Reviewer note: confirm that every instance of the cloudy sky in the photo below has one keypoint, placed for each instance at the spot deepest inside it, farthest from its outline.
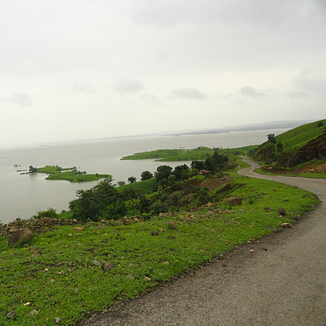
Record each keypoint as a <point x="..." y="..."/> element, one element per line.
<point x="81" y="69"/>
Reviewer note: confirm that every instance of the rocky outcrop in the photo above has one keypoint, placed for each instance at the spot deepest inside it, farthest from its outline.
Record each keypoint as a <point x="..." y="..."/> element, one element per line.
<point x="36" y="225"/>
<point x="20" y="237"/>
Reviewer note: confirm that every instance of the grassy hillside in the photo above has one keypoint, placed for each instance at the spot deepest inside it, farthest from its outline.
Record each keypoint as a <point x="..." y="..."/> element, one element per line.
<point x="301" y="150"/>
<point x="300" y="136"/>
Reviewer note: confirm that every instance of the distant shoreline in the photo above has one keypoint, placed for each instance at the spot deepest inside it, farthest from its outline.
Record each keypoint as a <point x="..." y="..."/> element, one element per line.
<point x="251" y="127"/>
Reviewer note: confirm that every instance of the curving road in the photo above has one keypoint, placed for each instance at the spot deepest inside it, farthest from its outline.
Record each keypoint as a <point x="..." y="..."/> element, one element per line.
<point x="283" y="282"/>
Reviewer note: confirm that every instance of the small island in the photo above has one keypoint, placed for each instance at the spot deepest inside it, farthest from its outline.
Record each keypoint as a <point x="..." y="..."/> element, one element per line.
<point x="71" y="174"/>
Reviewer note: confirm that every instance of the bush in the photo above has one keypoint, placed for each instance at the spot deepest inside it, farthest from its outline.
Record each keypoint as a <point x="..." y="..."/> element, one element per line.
<point x="50" y="212"/>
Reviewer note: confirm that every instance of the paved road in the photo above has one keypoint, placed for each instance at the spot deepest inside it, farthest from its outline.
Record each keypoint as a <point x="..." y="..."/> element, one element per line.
<point x="283" y="285"/>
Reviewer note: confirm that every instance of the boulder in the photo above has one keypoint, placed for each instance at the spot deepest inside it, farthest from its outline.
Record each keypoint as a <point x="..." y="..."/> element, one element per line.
<point x="20" y="237"/>
<point x="234" y="201"/>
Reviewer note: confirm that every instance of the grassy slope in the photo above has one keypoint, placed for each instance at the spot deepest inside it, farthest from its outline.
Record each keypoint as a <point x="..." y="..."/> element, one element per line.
<point x="146" y="186"/>
<point x="60" y="275"/>
<point x="297" y="137"/>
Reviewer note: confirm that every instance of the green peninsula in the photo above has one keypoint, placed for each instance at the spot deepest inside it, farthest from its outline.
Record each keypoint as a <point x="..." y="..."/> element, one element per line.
<point x="199" y="153"/>
<point x="71" y="174"/>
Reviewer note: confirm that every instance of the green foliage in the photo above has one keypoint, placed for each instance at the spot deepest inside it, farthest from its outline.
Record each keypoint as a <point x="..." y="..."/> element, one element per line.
<point x="145" y="175"/>
<point x="132" y="179"/>
<point x="162" y="174"/>
<point x="211" y="163"/>
<point x="50" y="212"/>
<point x="271" y="138"/>
<point x="32" y="169"/>
<point x="97" y="202"/>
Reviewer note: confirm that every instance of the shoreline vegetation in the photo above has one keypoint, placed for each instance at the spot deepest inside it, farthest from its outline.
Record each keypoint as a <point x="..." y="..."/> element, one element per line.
<point x="70" y="174"/>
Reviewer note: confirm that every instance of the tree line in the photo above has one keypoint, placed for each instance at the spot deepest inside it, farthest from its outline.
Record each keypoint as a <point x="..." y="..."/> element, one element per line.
<point x="104" y="201"/>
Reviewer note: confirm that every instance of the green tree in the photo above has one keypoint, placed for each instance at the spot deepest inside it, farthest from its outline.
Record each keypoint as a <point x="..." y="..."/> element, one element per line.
<point x="279" y="147"/>
<point x="197" y="165"/>
<point x="132" y="179"/>
<point x="271" y="138"/>
<point x="215" y="161"/>
<point x="32" y="169"/>
<point x="162" y="174"/>
<point x="92" y="203"/>
<point x="145" y="175"/>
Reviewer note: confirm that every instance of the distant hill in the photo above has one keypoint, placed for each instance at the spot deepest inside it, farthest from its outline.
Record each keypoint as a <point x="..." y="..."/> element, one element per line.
<point x="255" y="126"/>
<point x="294" y="147"/>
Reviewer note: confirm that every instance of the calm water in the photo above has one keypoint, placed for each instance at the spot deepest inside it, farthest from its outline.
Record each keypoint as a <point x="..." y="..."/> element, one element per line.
<point x="23" y="195"/>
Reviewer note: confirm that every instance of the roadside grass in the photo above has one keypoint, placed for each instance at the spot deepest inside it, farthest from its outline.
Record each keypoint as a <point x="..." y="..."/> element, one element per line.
<point x="62" y="273"/>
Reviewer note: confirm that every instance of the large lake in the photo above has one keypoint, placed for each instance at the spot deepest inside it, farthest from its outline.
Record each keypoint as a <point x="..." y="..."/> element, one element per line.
<point x="23" y="195"/>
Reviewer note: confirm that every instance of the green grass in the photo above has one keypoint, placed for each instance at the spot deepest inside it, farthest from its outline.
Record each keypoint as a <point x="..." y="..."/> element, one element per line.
<point x="200" y="153"/>
<point x="146" y="186"/>
<point x="297" y="137"/>
<point x="73" y="176"/>
<point x="52" y="169"/>
<point x="69" y="174"/>
<point x="60" y="273"/>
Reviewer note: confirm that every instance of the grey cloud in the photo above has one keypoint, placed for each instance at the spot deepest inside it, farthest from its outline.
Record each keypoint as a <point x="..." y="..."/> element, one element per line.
<point x="167" y="13"/>
<point x="128" y="85"/>
<point x="20" y="99"/>
<point x="84" y="88"/>
<point x="321" y="4"/>
<point x="151" y="98"/>
<point x="191" y="93"/>
<point x="250" y="91"/>
<point x="297" y="94"/>
<point x="308" y="81"/>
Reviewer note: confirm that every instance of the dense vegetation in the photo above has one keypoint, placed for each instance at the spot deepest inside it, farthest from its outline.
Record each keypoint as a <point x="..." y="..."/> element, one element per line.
<point x="104" y="201"/>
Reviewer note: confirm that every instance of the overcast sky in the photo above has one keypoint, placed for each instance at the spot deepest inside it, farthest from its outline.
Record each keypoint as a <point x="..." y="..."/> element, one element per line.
<point x="81" y="69"/>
